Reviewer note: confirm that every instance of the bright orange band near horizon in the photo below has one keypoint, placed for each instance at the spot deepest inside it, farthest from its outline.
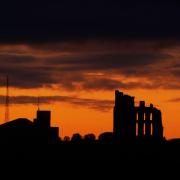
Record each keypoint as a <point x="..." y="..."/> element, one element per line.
<point x="83" y="119"/>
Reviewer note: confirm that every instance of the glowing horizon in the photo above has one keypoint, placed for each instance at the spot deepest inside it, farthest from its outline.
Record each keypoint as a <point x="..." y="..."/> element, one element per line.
<point x="79" y="118"/>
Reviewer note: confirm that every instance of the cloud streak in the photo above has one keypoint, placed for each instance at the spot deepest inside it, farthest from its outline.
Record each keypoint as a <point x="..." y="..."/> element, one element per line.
<point x="174" y="100"/>
<point x="100" y="105"/>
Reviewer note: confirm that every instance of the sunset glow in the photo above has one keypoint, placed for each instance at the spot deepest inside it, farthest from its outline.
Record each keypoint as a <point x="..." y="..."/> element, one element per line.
<point x="76" y="81"/>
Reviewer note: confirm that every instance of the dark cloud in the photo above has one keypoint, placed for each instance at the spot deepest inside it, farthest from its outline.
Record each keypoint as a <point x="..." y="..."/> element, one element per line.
<point x="90" y="45"/>
<point x="107" y="61"/>
<point x="101" y="105"/>
<point x="78" y="68"/>
<point x="34" y="22"/>
<point x="28" y="77"/>
<point x="9" y="59"/>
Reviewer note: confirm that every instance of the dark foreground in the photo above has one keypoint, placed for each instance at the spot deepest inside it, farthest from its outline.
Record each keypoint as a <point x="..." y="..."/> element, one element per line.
<point x="91" y="161"/>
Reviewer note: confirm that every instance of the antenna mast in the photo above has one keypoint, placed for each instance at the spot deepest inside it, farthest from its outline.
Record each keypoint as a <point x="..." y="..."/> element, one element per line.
<point x="7" y="100"/>
<point x="38" y="103"/>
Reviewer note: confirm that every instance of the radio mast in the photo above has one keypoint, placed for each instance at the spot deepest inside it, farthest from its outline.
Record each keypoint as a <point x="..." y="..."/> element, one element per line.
<point x="7" y="100"/>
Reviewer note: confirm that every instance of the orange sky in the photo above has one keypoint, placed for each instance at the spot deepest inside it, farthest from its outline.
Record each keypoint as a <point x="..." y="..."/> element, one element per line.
<point x="71" y="118"/>
<point x="83" y="77"/>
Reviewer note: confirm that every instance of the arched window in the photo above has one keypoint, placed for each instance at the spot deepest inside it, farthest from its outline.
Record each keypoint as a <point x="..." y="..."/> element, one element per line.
<point x="144" y="116"/>
<point x="137" y="116"/>
<point x="151" y="129"/>
<point x="136" y="129"/>
<point x="151" y="116"/>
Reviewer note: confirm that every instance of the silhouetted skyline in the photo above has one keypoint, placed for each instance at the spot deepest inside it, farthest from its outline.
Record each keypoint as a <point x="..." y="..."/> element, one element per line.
<point x="132" y="124"/>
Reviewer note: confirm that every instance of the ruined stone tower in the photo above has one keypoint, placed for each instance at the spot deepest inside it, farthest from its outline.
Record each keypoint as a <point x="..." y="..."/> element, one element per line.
<point x="132" y="122"/>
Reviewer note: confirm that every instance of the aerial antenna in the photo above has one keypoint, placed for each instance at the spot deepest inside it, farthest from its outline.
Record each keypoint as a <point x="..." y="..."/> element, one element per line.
<point x="7" y="101"/>
<point x="38" y="103"/>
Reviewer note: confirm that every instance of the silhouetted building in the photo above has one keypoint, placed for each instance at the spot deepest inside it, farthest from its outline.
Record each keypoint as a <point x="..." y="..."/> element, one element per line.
<point x="124" y="117"/>
<point x="24" y="131"/>
<point x="42" y="125"/>
<point x="131" y="121"/>
<point x="43" y="119"/>
<point x="18" y="131"/>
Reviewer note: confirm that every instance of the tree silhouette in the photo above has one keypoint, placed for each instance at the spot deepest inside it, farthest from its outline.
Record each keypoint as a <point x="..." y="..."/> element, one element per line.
<point x="89" y="138"/>
<point x="66" y="139"/>
<point x="76" y="138"/>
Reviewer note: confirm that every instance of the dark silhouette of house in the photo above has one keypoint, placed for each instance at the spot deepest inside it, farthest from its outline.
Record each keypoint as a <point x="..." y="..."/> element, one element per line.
<point x="131" y="122"/>
<point x="24" y="131"/>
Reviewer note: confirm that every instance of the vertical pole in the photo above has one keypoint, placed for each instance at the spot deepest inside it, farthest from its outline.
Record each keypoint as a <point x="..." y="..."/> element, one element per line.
<point x="38" y="103"/>
<point x="7" y="100"/>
